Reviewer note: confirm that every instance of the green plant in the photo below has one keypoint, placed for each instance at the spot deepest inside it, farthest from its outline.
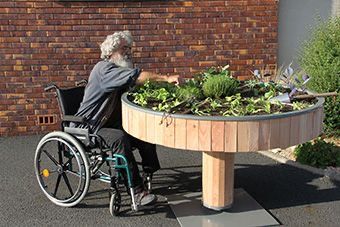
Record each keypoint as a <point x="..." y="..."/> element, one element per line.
<point x="219" y="86"/>
<point x="216" y="82"/>
<point x="332" y="116"/>
<point x="300" y="105"/>
<point x="189" y="91"/>
<point x="228" y="96"/>
<point x="320" y="58"/>
<point x="161" y="93"/>
<point x="318" y="154"/>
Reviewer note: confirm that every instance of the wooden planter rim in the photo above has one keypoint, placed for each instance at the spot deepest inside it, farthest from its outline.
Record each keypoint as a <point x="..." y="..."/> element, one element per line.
<point x="225" y="118"/>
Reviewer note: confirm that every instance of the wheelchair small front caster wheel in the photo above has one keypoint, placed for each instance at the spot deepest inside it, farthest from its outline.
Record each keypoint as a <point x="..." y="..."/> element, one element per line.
<point x="134" y="208"/>
<point x="115" y="202"/>
<point x="147" y="181"/>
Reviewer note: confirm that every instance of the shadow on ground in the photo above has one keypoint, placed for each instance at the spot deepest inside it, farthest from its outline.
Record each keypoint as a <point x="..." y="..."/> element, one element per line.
<point x="282" y="189"/>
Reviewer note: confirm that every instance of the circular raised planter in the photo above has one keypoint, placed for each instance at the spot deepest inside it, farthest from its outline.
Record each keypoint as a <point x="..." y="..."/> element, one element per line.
<point x="219" y="138"/>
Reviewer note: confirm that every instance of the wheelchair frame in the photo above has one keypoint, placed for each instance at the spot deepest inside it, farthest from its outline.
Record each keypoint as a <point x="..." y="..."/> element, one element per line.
<point x="78" y="144"/>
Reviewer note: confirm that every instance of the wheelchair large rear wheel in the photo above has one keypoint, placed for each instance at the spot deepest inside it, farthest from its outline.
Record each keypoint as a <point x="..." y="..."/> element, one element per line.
<point x="62" y="169"/>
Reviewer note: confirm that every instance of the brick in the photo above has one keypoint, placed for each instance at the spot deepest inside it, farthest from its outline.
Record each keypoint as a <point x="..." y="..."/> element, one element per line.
<point x="44" y="41"/>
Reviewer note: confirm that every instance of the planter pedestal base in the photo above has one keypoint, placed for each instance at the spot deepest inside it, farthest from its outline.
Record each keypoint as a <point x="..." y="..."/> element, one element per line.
<point x="188" y="209"/>
<point x="218" y="180"/>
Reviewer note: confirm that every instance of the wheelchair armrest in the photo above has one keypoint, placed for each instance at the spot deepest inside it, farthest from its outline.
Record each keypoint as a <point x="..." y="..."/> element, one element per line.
<point x="80" y="133"/>
<point x="75" y="119"/>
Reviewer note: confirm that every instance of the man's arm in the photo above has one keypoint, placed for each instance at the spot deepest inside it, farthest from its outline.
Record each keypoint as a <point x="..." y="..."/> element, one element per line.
<point x="144" y="76"/>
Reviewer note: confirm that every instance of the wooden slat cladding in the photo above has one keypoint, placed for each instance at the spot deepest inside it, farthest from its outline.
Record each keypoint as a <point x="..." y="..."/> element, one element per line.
<point x="169" y="132"/>
<point x="274" y="141"/>
<point x="150" y="125"/>
<point x="192" y="134"/>
<point x="295" y="130"/>
<point x="222" y="136"/>
<point x="180" y="133"/>
<point x="284" y="139"/>
<point x="318" y="119"/>
<point x="217" y="136"/>
<point x="247" y="136"/>
<point x="125" y="116"/>
<point x="159" y="132"/>
<point x="142" y="126"/>
<point x="264" y="135"/>
<point x="218" y="179"/>
<point x="204" y="135"/>
<point x="230" y="136"/>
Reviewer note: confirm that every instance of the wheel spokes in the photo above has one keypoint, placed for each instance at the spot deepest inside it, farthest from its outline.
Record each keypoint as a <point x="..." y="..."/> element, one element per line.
<point x="51" y="157"/>
<point x="68" y="162"/>
<point x="57" y="186"/>
<point x="60" y="154"/>
<point x="73" y="173"/>
<point x="67" y="183"/>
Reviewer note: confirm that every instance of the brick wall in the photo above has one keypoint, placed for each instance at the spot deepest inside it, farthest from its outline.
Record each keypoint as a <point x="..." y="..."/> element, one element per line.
<point x="50" y="40"/>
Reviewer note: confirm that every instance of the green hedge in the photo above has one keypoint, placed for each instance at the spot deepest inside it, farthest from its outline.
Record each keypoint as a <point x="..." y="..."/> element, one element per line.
<point x="320" y="58"/>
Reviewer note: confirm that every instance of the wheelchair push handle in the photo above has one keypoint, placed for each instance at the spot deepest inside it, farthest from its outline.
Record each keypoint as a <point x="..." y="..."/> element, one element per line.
<point x="81" y="83"/>
<point x="50" y="87"/>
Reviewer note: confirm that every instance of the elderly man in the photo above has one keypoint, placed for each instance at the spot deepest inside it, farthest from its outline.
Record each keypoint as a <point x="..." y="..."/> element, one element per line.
<point x="115" y="73"/>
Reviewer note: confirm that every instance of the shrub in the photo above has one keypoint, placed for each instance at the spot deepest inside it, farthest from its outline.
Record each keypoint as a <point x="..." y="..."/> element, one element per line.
<point x="318" y="154"/>
<point x="320" y="58"/>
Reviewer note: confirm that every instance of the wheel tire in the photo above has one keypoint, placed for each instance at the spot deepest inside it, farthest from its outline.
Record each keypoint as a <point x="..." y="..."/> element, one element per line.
<point x="115" y="203"/>
<point x="75" y="152"/>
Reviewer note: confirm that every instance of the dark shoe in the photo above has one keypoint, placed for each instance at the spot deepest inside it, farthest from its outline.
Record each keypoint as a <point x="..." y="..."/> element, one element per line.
<point x="144" y="198"/>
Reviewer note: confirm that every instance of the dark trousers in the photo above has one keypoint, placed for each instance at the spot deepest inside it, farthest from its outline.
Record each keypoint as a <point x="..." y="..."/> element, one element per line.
<point x="123" y="143"/>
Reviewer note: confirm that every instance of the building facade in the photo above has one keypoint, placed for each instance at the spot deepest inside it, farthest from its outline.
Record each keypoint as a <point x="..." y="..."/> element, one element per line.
<point x="44" y="41"/>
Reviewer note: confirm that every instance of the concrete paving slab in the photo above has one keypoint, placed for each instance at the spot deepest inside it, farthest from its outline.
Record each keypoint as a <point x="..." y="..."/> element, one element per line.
<point x="245" y="211"/>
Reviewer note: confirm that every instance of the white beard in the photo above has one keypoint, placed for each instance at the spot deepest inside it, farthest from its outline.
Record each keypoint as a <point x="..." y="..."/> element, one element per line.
<point x="123" y="61"/>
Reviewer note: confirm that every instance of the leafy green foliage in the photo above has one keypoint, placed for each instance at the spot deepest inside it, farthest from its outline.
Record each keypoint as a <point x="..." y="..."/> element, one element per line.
<point x="236" y="105"/>
<point x="318" y="154"/>
<point x="217" y="82"/>
<point x="267" y="89"/>
<point x="300" y="105"/>
<point x="219" y="86"/>
<point x="228" y="97"/>
<point x="332" y="116"/>
<point x="188" y="91"/>
<point x="320" y="58"/>
<point x="163" y="94"/>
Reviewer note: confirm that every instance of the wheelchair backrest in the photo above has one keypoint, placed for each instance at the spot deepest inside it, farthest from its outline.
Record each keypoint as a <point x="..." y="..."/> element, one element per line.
<point x="70" y="99"/>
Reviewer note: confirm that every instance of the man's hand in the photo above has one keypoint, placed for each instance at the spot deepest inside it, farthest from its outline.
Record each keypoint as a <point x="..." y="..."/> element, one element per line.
<point x="175" y="79"/>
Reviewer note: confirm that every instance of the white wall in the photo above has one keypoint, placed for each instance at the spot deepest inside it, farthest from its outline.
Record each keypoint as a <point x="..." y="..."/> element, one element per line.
<point x="296" y="18"/>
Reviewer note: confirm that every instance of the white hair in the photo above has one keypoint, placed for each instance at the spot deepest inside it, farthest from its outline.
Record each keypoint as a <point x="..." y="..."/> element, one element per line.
<point x="112" y="42"/>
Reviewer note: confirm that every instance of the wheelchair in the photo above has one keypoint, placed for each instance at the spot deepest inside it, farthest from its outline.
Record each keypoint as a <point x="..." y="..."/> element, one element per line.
<point x="67" y="160"/>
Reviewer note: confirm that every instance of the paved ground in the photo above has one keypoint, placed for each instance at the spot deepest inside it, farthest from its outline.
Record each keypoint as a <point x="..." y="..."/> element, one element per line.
<point x="293" y="196"/>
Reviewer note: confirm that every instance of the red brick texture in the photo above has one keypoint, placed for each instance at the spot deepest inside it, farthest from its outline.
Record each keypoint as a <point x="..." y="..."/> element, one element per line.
<point x="50" y="40"/>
